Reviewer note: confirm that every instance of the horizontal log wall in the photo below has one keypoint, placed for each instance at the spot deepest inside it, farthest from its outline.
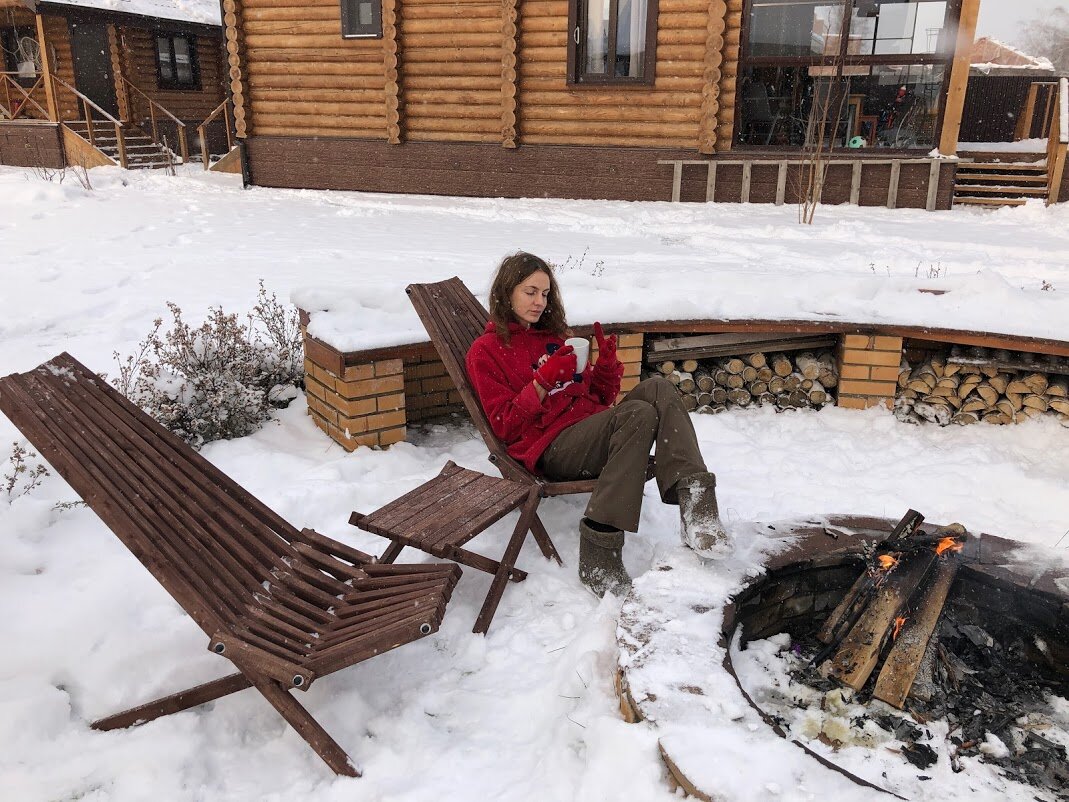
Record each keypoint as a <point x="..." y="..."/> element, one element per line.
<point x="451" y="70"/>
<point x="303" y="79"/>
<point x="58" y="40"/>
<point x="30" y="145"/>
<point x="664" y="115"/>
<point x="138" y="48"/>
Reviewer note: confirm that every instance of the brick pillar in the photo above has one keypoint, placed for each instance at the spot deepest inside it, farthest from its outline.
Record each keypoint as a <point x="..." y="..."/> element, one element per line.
<point x="868" y="370"/>
<point x="364" y="406"/>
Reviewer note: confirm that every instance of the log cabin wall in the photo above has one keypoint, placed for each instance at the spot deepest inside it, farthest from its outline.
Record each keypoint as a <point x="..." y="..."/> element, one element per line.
<point x="303" y="78"/>
<point x="552" y="112"/>
<point x="137" y="53"/>
<point x="451" y="70"/>
<point x="58" y="42"/>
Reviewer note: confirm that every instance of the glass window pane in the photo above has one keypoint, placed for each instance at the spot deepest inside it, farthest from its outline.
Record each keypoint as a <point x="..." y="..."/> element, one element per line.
<point x="883" y="27"/>
<point x="597" y="37"/>
<point x="893" y="106"/>
<point x="630" y="38"/>
<point x="775" y="105"/>
<point x="795" y="27"/>
<point x="364" y="14"/>
<point x="183" y="60"/>
<point x="163" y="50"/>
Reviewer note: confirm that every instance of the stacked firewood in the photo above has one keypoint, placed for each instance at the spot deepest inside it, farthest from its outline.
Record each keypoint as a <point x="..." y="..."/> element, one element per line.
<point x="782" y="379"/>
<point x="976" y="384"/>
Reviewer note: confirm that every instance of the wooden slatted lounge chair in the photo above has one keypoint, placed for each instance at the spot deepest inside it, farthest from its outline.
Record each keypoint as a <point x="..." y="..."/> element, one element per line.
<point x="453" y="318"/>
<point x="284" y="606"/>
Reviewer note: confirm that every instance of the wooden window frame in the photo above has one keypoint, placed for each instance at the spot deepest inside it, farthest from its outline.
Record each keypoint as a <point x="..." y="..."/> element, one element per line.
<point x="194" y="84"/>
<point x="576" y="49"/>
<point x="841" y="60"/>
<point x="350" y="29"/>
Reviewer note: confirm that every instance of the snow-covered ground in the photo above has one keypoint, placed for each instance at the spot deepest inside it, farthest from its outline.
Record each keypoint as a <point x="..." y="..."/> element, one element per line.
<point x="527" y="712"/>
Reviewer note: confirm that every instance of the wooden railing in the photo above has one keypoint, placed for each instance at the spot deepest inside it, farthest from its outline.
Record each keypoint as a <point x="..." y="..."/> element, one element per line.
<point x="1057" y="141"/>
<point x="1042" y="96"/>
<point x="17" y="100"/>
<point x="154" y="112"/>
<point x="87" y="107"/>
<point x="782" y="167"/>
<point x="202" y="131"/>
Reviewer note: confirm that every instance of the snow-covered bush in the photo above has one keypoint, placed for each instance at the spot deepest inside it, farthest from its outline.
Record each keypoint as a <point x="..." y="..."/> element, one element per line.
<point x="219" y="380"/>
<point x="25" y="473"/>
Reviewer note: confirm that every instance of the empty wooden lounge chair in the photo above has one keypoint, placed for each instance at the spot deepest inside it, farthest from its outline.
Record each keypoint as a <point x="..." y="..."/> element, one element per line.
<point x="453" y="318"/>
<point x="284" y="606"/>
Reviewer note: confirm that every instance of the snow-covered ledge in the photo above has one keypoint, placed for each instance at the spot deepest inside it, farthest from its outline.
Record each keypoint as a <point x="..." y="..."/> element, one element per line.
<point x="368" y="396"/>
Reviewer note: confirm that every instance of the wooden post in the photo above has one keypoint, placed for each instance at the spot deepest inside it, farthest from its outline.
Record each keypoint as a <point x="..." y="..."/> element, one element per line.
<point x="677" y="180"/>
<point x="118" y="69"/>
<point x="855" y="183"/>
<point x="781" y="183"/>
<point x="933" y="185"/>
<point x="710" y="182"/>
<point x="509" y="89"/>
<point x="959" y="78"/>
<point x="391" y="73"/>
<point x="1024" y="117"/>
<point x="892" y="185"/>
<point x="120" y="143"/>
<point x="747" y="171"/>
<point x="46" y="70"/>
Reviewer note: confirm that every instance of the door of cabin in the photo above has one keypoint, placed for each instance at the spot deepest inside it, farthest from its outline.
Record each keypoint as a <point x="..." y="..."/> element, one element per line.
<point x="93" y="76"/>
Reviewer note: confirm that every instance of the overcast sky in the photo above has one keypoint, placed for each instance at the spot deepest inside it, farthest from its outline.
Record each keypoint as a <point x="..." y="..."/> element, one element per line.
<point x="1001" y="19"/>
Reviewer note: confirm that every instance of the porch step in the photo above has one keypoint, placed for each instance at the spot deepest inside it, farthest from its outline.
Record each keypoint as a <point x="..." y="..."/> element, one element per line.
<point x="999" y="183"/>
<point x="989" y="201"/>
<point x="1001" y="189"/>
<point x="141" y="152"/>
<point x="1003" y="166"/>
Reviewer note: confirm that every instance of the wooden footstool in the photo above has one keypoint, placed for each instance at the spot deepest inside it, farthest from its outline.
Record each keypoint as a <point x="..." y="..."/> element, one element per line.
<point x="441" y="515"/>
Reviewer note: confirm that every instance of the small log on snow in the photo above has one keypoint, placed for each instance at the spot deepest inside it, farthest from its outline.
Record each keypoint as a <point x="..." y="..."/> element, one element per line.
<point x="766" y="399"/>
<point x="704" y="381"/>
<point x="776" y="385"/>
<point x="933" y="413"/>
<point x="705" y="399"/>
<point x="1058" y="388"/>
<point x="733" y="365"/>
<point x="667" y="368"/>
<point x="1036" y="402"/>
<point x="904" y="660"/>
<point x="735" y="381"/>
<point x="965" y="418"/>
<point x="988" y="393"/>
<point x="690" y="365"/>
<point x="974" y="405"/>
<point x="903" y="374"/>
<point x="1060" y="405"/>
<point x="720" y="396"/>
<point x="749" y="374"/>
<point x="792" y="382"/>
<point x="817" y="395"/>
<point x="721" y="377"/>
<point x="686" y="383"/>
<point x="739" y="397"/>
<point x="828" y="378"/>
<point x="757" y="388"/>
<point x="765" y="374"/>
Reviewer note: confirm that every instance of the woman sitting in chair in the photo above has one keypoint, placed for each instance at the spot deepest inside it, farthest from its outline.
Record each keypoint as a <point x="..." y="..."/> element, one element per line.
<point x="565" y="425"/>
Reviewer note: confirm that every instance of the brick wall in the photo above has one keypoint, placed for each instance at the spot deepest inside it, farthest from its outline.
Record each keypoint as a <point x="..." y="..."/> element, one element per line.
<point x="868" y="370"/>
<point x="363" y="406"/>
<point x="429" y="392"/>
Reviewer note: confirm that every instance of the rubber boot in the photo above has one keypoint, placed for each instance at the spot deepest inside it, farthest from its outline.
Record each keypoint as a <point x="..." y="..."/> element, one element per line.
<point x="699" y="518"/>
<point x="601" y="565"/>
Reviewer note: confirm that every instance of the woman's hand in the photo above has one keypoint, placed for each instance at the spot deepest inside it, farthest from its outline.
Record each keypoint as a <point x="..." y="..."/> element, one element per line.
<point x="558" y="368"/>
<point x="606" y="346"/>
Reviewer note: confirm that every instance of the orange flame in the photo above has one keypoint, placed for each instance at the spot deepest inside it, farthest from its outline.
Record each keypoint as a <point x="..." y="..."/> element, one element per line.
<point x="947" y="544"/>
<point x="887" y="562"/>
<point x="898" y="628"/>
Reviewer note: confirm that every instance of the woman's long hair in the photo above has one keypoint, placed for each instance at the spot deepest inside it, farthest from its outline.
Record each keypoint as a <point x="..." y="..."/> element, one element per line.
<point x="513" y="271"/>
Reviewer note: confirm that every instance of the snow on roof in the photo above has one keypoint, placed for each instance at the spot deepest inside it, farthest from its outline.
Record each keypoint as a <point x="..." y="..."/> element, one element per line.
<point x="991" y="54"/>
<point x="205" y="12"/>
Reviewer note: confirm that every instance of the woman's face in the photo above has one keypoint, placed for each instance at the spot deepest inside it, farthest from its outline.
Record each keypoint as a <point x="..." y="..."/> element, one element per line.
<point x="529" y="298"/>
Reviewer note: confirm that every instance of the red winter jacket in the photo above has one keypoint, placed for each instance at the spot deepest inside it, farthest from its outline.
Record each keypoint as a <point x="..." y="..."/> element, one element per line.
<point x="502" y="375"/>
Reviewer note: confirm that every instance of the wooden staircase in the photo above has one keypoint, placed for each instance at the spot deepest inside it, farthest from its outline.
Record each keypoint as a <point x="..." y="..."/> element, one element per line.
<point x="1000" y="183"/>
<point x="141" y="152"/>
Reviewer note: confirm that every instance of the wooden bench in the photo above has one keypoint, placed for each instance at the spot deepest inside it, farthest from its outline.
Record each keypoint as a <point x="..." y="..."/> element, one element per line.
<point x="441" y="515"/>
<point x="284" y="606"/>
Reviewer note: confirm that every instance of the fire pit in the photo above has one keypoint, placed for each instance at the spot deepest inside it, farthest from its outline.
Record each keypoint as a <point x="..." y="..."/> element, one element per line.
<point x="986" y="712"/>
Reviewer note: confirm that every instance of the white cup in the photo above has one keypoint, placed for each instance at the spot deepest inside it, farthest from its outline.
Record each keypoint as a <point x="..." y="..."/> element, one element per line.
<point x="581" y="346"/>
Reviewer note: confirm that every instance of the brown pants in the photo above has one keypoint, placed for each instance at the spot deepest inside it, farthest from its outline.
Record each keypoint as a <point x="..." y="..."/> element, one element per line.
<point x="614" y="445"/>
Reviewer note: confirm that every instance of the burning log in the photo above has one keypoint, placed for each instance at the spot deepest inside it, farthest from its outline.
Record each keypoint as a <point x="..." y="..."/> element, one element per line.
<point x="911" y="640"/>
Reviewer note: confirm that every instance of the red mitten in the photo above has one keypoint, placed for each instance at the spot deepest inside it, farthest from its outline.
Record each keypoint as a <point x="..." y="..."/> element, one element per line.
<point x="558" y="368"/>
<point x="606" y="346"/>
